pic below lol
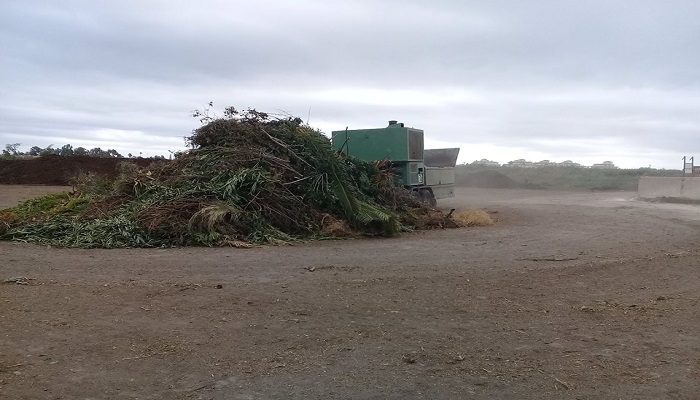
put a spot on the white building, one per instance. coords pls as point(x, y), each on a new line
point(604, 165)
point(521, 162)
point(569, 163)
point(490, 163)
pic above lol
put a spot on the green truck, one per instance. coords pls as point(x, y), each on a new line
point(429, 173)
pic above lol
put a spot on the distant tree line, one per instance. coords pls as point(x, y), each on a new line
point(67, 150)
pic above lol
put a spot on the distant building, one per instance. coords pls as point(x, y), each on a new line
point(604, 165)
point(569, 163)
point(544, 163)
point(490, 163)
point(522, 163)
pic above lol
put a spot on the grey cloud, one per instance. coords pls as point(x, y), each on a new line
point(559, 77)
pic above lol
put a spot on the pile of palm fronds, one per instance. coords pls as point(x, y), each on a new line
point(249, 177)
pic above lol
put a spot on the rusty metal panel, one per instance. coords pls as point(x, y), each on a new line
point(415, 144)
point(441, 157)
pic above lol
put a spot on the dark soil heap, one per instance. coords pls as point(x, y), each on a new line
point(249, 178)
point(487, 179)
point(60, 170)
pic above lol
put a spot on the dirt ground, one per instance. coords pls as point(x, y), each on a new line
point(10, 195)
point(570, 295)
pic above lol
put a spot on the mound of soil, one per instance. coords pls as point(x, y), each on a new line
point(677, 200)
point(487, 179)
point(58, 170)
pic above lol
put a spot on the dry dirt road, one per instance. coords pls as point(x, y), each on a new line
point(569, 296)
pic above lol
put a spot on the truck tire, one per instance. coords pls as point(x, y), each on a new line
point(428, 197)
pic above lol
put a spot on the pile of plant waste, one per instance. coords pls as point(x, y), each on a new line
point(248, 178)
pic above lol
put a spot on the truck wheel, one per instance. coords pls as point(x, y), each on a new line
point(428, 197)
point(416, 195)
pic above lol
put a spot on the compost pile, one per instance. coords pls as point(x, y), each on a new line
point(249, 178)
point(59, 170)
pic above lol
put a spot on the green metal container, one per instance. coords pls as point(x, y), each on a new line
point(395, 142)
point(402, 146)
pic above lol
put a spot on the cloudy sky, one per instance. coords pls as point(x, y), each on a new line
point(589, 81)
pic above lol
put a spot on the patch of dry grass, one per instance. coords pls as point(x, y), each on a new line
point(470, 217)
